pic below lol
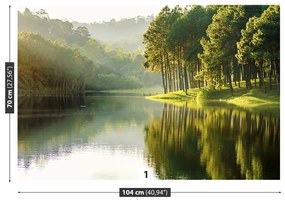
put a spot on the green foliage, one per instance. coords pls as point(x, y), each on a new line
point(245, 46)
point(49, 66)
point(220, 49)
point(266, 38)
point(193, 25)
point(173, 42)
point(260, 44)
point(123, 68)
point(54, 29)
point(214, 46)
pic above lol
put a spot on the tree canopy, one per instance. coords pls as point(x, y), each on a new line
point(214, 46)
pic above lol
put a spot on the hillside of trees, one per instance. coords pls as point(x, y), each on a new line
point(124, 33)
point(49, 66)
point(215, 46)
point(56, 57)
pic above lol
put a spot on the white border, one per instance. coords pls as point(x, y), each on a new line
point(9, 191)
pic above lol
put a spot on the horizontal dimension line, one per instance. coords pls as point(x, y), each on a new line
point(175, 192)
point(226, 192)
point(67, 192)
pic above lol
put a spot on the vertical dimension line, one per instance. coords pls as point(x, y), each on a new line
point(9, 147)
point(9, 114)
point(9, 33)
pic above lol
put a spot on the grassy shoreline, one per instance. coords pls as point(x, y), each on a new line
point(242, 97)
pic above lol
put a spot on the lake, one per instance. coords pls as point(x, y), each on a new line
point(108, 136)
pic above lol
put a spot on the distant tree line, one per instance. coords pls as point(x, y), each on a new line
point(126, 33)
point(214, 46)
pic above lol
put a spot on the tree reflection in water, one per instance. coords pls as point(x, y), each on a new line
point(213, 142)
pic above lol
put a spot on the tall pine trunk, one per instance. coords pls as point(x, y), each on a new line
point(185, 73)
point(198, 70)
point(228, 70)
point(260, 74)
point(163, 75)
point(270, 73)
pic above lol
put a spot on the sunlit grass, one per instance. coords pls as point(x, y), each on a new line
point(178, 95)
point(242, 97)
point(256, 97)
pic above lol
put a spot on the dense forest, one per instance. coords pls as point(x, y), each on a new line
point(56, 57)
point(215, 46)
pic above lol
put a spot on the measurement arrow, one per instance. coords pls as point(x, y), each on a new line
point(68, 192)
point(226, 192)
point(174, 192)
point(9, 147)
point(9, 91)
point(9, 33)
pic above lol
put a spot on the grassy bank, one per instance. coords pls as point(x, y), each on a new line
point(242, 96)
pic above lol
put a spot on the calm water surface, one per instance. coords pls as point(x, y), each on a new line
point(120, 137)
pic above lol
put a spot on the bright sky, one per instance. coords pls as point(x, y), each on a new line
point(91, 13)
point(105, 10)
